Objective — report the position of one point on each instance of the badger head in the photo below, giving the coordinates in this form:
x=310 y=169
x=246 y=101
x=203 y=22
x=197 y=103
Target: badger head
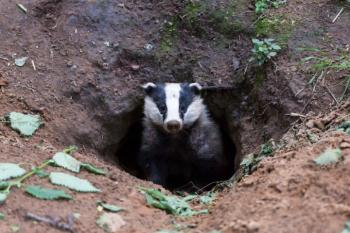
x=173 y=106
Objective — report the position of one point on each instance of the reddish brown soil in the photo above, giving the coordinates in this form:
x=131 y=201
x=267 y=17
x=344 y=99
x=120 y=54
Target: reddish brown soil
x=287 y=193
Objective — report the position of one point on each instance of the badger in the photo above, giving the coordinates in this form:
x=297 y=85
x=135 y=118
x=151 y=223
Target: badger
x=180 y=141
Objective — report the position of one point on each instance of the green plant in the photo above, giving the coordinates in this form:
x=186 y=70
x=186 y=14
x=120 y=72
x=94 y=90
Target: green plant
x=171 y=204
x=328 y=157
x=279 y=27
x=326 y=63
x=262 y=5
x=12 y=175
x=251 y=161
x=264 y=50
x=169 y=35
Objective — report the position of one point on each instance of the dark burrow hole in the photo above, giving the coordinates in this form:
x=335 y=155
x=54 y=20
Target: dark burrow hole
x=129 y=147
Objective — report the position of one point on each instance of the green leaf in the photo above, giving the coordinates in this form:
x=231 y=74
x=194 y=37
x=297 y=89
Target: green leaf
x=10 y=170
x=66 y=161
x=4 y=185
x=47 y=194
x=266 y=149
x=346 y=228
x=109 y=207
x=306 y=59
x=72 y=182
x=40 y=172
x=347 y=131
x=328 y=157
x=207 y=199
x=3 y=196
x=170 y=204
x=91 y=168
x=21 y=61
x=26 y=125
x=2 y=216
x=271 y=54
x=344 y=125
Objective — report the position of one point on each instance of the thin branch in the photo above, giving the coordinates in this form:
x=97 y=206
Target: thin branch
x=53 y=221
x=332 y=95
x=337 y=16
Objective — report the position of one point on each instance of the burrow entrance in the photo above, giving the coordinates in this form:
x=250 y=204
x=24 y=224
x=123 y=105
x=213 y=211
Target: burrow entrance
x=244 y=114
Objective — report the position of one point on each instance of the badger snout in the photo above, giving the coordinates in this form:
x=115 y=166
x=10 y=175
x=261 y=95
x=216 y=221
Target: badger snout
x=173 y=126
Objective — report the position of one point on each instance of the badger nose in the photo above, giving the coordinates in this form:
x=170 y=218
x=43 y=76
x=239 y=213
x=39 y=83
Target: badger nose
x=173 y=126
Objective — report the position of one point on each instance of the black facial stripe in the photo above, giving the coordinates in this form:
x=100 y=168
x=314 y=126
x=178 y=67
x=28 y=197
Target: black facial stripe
x=159 y=98
x=186 y=98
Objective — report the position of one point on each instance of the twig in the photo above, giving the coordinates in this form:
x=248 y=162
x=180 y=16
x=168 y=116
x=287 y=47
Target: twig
x=307 y=104
x=346 y=88
x=53 y=221
x=4 y=58
x=293 y=114
x=331 y=94
x=33 y=65
x=337 y=16
x=318 y=78
x=300 y=91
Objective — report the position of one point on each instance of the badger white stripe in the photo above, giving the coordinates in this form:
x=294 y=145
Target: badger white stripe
x=194 y=111
x=172 y=93
x=152 y=112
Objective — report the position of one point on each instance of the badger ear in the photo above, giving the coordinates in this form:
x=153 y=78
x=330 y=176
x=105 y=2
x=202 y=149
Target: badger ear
x=196 y=88
x=149 y=87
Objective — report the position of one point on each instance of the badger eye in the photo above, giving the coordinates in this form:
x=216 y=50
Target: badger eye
x=162 y=108
x=182 y=109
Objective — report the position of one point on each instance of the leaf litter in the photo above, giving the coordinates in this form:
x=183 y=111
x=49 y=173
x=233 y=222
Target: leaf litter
x=170 y=204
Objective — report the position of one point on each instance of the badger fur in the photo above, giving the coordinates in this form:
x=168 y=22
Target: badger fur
x=180 y=142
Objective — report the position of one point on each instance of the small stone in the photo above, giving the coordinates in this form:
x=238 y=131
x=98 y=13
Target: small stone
x=149 y=47
x=112 y=221
x=310 y=124
x=135 y=67
x=253 y=226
